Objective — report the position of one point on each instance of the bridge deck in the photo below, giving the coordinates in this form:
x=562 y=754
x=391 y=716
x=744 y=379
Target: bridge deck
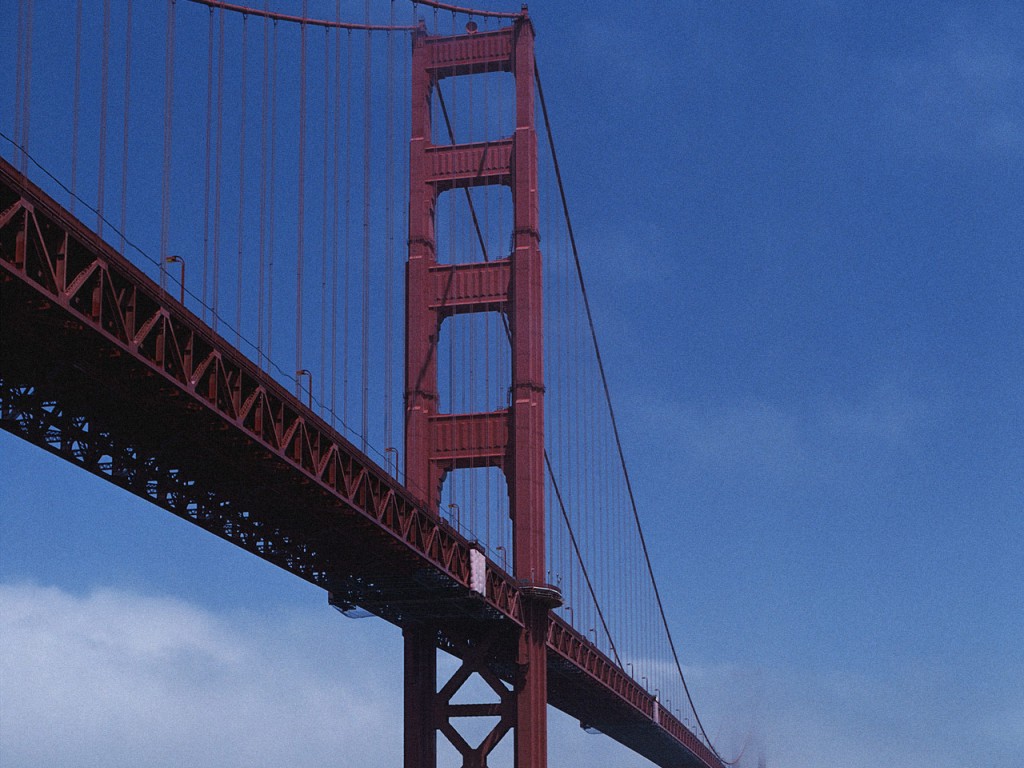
x=99 y=366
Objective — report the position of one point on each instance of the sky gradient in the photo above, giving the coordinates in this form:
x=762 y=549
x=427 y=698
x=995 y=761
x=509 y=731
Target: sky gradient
x=802 y=231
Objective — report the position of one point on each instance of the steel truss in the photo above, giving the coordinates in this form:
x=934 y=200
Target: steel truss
x=101 y=367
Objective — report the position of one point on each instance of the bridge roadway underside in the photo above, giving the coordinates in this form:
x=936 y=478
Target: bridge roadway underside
x=70 y=385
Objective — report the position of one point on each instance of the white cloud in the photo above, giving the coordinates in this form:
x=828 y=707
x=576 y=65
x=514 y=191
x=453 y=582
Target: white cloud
x=114 y=678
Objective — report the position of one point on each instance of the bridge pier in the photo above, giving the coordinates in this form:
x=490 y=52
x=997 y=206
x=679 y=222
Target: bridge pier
x=531 y=738
x=420 y=687
x=511 y=438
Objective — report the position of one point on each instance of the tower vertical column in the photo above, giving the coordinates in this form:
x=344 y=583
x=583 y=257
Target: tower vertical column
x=421 y=323
x=526 y=478
x=420 y=690
x=511 y=438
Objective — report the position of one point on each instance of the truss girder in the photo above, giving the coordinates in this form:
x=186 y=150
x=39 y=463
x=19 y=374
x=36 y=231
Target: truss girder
x=87 y=289
x=102 y=368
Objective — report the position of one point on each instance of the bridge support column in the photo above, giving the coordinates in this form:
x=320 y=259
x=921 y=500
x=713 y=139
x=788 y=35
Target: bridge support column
x=420 y=695
x=511 y=438
x=531 y=738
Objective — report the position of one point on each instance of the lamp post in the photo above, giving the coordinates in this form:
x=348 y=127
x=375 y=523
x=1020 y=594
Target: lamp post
x=387 y=452
x=181 y=263
x=298 y=385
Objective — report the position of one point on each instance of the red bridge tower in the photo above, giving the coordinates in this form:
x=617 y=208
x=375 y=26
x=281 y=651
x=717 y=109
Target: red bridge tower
x=511 y=438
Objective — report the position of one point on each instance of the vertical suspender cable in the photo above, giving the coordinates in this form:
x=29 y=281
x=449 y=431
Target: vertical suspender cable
x=76 y=100
x=389 y=234
x=273 y=198
x=127 y=111
x=165 y=197
x=301 y=201
x=26 y=99
x=488 y=338
x=365 y=425
x=104 y=98
x=611 y=413
x=208 y=156
x=241 y=182
x=348 y=218
x=474 y=327
x=19 y=69
x=453 y=325
x=218 y=155
x=264 y=152
x=324 y=368
x=334 y=211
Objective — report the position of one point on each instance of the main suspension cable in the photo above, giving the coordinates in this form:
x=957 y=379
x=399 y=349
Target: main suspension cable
x=611 y=410
x=469 y=11
x=303 y=19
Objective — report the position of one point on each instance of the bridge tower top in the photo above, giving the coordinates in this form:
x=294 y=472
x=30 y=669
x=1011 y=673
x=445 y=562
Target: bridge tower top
x=512 y=438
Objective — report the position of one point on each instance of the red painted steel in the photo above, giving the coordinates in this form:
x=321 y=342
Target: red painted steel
x=101 y=367
x=470 y=165
x=41 y=245
x=482 y=287
x=467 y=54
x=512 y=438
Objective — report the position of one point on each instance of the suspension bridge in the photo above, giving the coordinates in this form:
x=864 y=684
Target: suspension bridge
x=204 y=212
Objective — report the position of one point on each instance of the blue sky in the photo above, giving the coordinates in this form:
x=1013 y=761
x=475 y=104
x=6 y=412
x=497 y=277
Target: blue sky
x=802 y=230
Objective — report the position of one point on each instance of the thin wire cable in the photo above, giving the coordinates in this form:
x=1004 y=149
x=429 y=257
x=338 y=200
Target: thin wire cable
x=101 y=176
x=389 y=225
x=127 y=111
x=165 y=195
x=241 y=180
x=366 y=234
x=324 y=368
x=76 y=101
x=301 y=201
x=19 y=70
x=508 y=333
x=264 y=152
x=334 y=210
x=217 y=161
x=348 y=220
x=469 y=199
x=304 y=19
x=579 y=556
x=208 y=160
x=26 y=102
x=273 y=195
x=470 y=11
x=611 y=413
x=282 y=373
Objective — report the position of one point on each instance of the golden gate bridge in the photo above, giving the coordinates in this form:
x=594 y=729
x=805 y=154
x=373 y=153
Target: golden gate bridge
x=204 y=210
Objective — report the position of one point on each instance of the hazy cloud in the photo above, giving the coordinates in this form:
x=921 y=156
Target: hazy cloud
x=114 y=678
x=960 y=91
x=761 y=440
x=912 y=717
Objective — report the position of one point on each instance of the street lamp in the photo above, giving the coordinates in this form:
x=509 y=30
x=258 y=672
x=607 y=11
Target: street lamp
x=298 y=385
x=388 y=451
x=180 y=262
